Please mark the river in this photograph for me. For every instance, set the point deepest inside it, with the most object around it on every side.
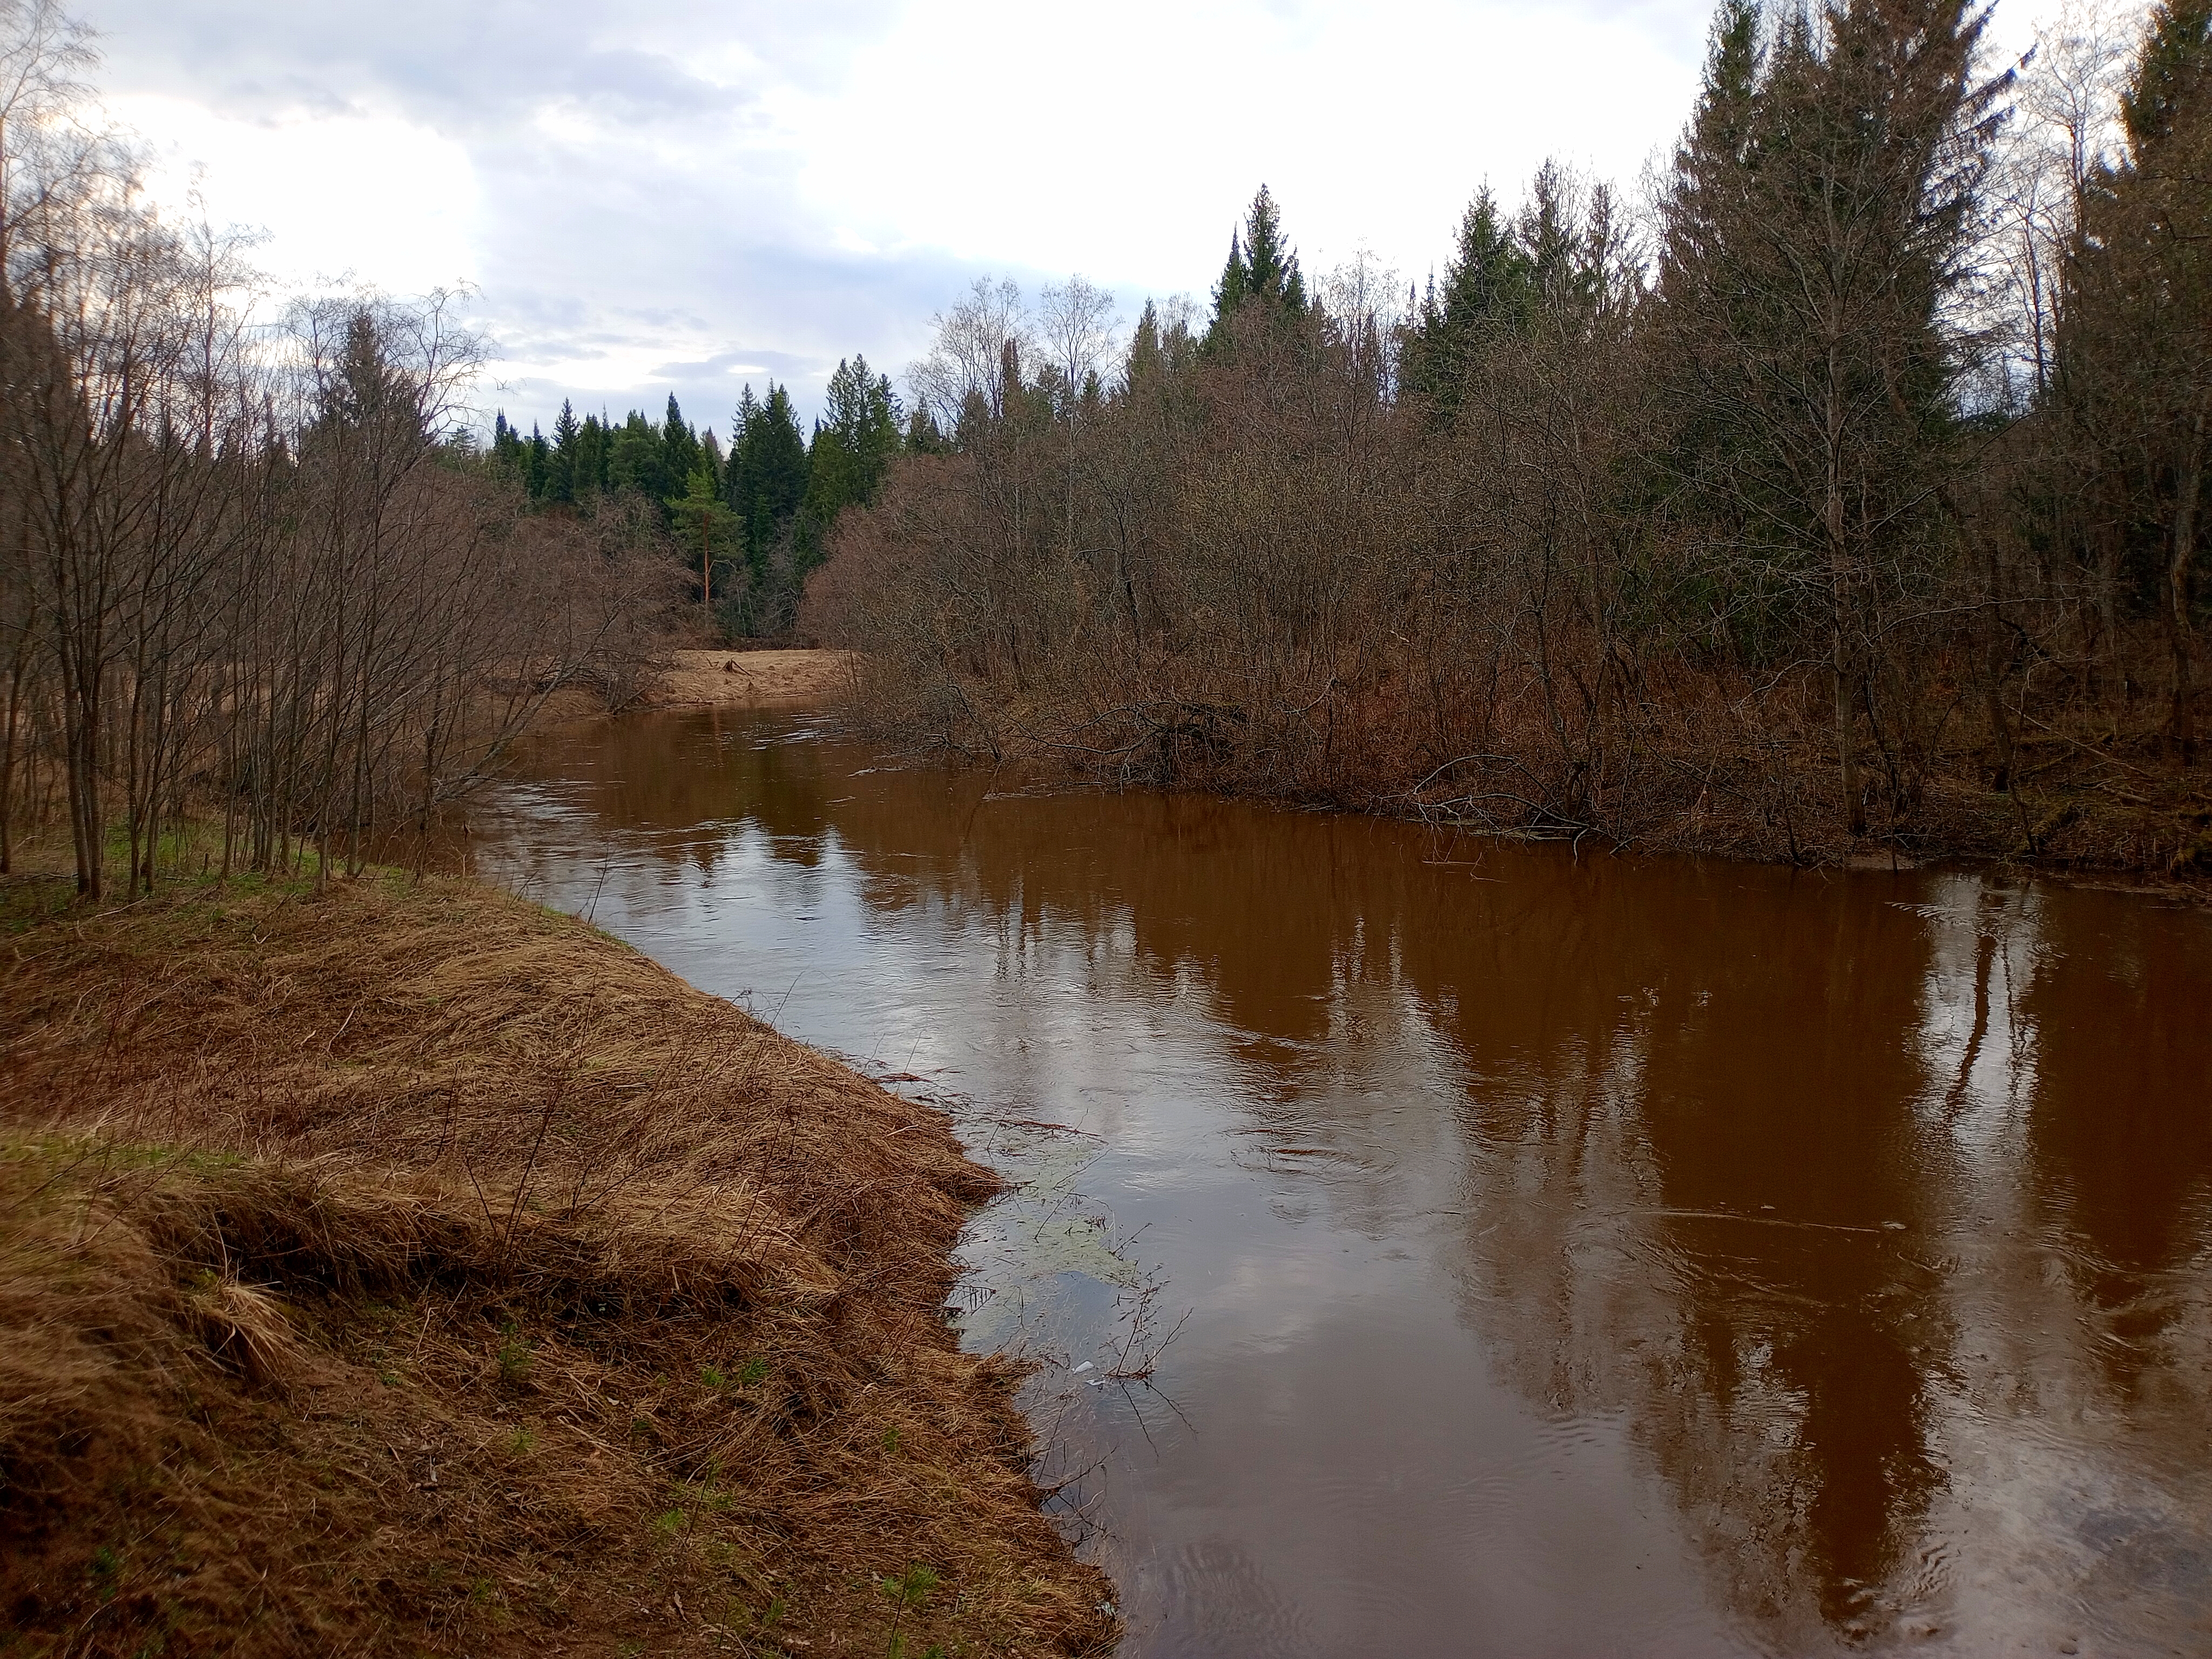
(1432, 1245)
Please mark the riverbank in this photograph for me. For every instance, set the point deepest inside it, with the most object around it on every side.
(708, 679)
(405, 1267)
(2081, 807)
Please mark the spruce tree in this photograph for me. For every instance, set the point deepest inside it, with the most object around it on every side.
(509, 449)
(1550, 237)
(1145, 360)
(764, 483)
(1715, 159)
(1261, 275)
(2169, 77)
(923, 436)
(2134, 338)
(561, 468)
(1487, 292)
(1816, 242)
(588, 475)
(680, 452)
(538, 465)
(636, 461)
(1271, 266)
(853, 442)
(1236, 280)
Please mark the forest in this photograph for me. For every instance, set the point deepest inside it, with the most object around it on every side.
(751, 523)
(261, 599)
(1835, 496)
(257, 567)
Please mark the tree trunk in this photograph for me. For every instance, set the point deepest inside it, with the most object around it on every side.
(88, 827)
(2000, 721)
(1831, 514)
(2180, 582)
(1847, 754)
(7, 758)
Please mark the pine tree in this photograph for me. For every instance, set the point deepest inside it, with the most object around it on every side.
(705, 521)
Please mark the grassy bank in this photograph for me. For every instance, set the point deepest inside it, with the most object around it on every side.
(408, 1269)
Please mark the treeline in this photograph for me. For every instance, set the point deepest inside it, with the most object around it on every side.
(752, 522)
(251, 568)
(1847, 490)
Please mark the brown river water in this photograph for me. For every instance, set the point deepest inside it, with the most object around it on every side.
(1528, 1254)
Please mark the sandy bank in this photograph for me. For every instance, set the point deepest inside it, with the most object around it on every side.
(408, 1268)
(703, 679)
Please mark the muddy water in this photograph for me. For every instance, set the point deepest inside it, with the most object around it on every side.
(1611, 1256)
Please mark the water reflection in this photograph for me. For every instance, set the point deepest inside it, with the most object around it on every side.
(1582, 1257)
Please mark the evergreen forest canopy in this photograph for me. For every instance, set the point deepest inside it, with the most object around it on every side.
(753, 522)
(1848, 491)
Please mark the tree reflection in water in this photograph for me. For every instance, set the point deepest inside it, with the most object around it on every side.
(1868, 1216)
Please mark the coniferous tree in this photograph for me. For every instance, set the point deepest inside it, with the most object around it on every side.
(561, 467)
(854, 442)
(1235, 283)
(588, 475)
(1817, 243)
(741, 421)
(636, 460)
(538, 465)
(707, 522)
(2134, 331)
(2166, 92)
(1261, 275)
(1146, 359)
(1488, 289)
(1561, 279)
(923, 436)
(765, 484)
(680, 452)
(509, 449)
(1271, 266)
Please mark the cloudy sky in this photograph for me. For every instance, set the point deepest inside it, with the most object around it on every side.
(688, 196)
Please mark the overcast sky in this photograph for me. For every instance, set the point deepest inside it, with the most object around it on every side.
(686, 196)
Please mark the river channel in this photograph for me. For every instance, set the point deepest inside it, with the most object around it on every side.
(1434, 1246)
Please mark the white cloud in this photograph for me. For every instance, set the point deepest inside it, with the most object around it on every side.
(374, 195)
(672, 199)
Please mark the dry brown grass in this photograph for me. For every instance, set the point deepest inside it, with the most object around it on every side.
(767, 679)
(411, 1269)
